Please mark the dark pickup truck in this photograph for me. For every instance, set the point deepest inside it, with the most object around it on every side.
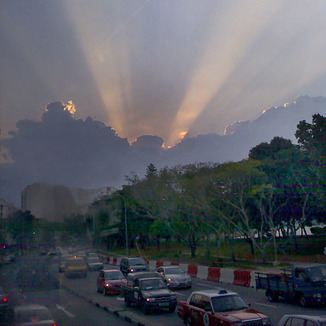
(149, 292)
(305, 284)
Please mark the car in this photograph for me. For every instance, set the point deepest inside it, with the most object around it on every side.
(4, 306)
(219, 307)
(133, 265)
(175, 277)
(52, 252)
(92, 254)
(75, 267)
(62, 262)
(302, 320)
(110, 281)
(9, 258)
(148, 292)
(94, 263)
(33, 314)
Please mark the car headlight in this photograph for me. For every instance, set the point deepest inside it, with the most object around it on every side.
(266, 321)
(131, 270)
(108, 285)
(150, 299)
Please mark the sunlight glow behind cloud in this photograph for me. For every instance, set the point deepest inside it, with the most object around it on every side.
(245, 41)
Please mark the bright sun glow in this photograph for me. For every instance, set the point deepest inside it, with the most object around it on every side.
(70, 107)
(238, 49)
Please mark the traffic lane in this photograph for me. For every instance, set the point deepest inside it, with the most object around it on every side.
(39, 288)
(256, 298)
(88, 289)
(70, 310)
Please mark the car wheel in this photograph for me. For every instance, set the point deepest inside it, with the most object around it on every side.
(272, 296)
(303, 301)
(147, 310)
(187, 321)
(171, 309)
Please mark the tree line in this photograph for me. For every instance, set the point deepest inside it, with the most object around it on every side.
(278, 191)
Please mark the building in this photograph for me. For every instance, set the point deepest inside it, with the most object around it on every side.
(53, 203)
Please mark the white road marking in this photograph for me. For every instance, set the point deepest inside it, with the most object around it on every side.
(69, 314)
(265, 305)
(208, 286)
(120, 298)
(179, 293)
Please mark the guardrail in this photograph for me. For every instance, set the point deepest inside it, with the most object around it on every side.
(215, 274)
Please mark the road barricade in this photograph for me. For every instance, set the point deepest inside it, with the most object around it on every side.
(214, 274)
(242, 278)
(114, 261)
(159, 263)
(108, 258)
(192, 271)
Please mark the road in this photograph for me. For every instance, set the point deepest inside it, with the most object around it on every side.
(35, 279)
(256, 298)
(28, 281)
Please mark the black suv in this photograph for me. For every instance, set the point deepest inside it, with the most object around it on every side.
(133, 265)
(148, 291)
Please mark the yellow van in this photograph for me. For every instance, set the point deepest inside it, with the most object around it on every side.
(75, 267)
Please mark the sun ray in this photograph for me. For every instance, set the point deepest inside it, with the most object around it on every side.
(227, 47)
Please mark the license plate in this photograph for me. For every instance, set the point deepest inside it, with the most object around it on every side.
(165, 304)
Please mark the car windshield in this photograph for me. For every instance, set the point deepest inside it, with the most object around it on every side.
(116, 275)
(93, 260)
(28, 316)
(151, 284)
(173, 270)
(136, 262)
(317, 273)
(228, 302)
(75, 262)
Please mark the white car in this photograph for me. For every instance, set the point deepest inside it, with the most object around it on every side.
(33, 314)
(175, 277)
(94, 263)
(302, 320)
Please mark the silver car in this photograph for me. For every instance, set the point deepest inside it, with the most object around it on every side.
(302, 320)
(175, 277)
(94, 263)
(33, 314)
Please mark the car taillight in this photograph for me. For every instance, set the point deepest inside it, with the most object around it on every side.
(5, 299)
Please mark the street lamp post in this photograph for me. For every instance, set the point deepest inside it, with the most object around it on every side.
(126, 223)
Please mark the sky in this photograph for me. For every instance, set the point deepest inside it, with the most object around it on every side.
(92, 91)
(168, 68)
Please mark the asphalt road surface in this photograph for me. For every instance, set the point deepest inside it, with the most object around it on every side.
(256, 298)
(29, 281)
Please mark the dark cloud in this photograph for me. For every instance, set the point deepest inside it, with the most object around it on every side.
(60, 149)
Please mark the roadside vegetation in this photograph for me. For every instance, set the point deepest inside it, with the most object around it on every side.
(258, 209)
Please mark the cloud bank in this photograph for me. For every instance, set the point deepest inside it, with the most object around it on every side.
(60, 149)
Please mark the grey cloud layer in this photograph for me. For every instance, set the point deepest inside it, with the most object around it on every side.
(87, 153)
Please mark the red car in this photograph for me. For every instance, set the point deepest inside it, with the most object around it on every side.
(110, 281)
(219, 307)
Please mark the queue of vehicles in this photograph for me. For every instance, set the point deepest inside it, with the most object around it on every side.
(151, 291)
